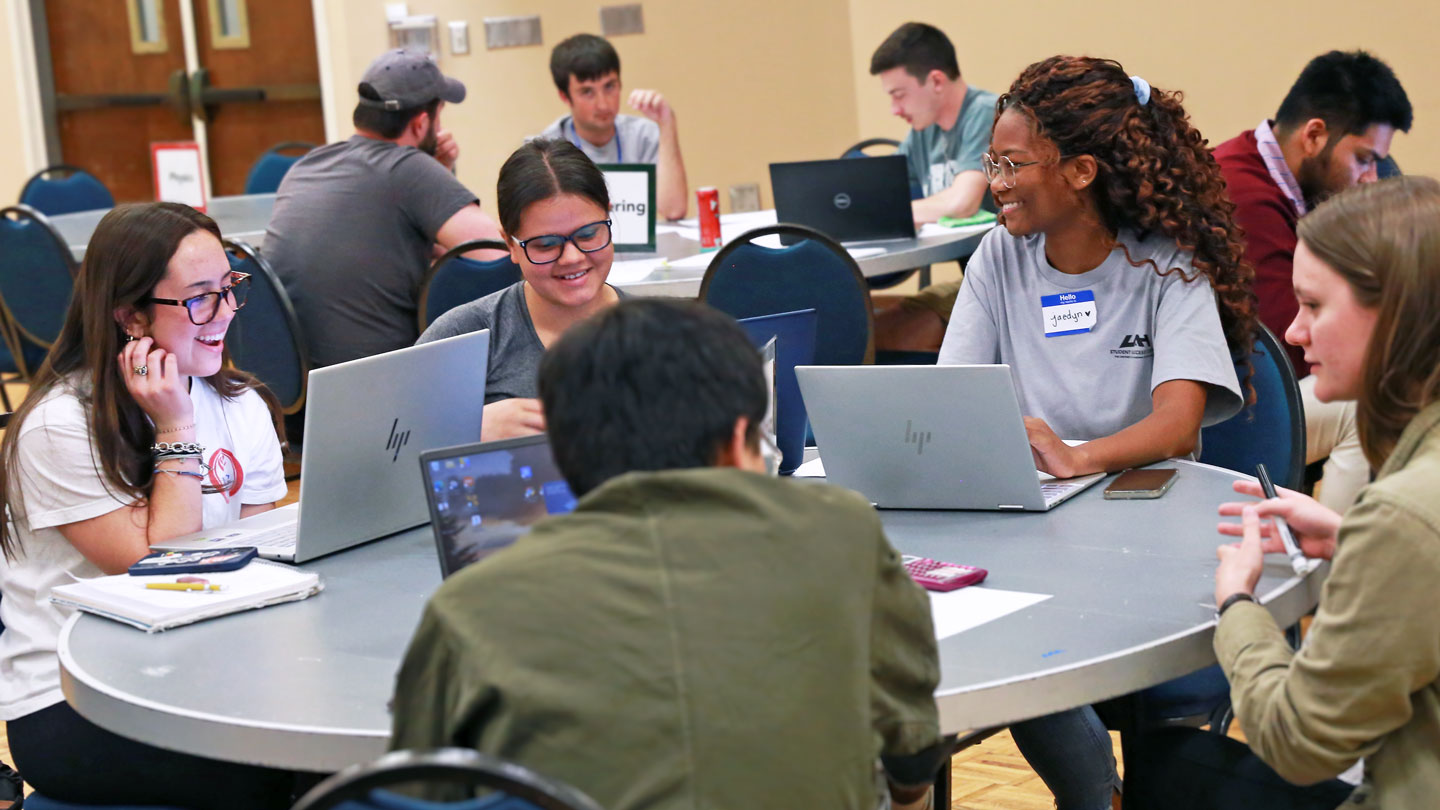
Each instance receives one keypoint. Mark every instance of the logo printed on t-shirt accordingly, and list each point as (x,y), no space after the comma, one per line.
(226,474)
(1134,346)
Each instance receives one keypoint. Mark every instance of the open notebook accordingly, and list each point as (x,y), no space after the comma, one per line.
(126,599)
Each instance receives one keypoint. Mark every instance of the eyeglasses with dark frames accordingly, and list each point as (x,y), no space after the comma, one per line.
(203,308)
(548,248)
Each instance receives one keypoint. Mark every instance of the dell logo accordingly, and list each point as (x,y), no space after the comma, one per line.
(396,440)
(917,438)
(842,201)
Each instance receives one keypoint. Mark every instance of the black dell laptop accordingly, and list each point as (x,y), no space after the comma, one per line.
(848,200)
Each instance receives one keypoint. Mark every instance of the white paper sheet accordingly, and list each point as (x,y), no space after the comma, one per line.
(699,261)
(632,270)
(968,608)
(810,469)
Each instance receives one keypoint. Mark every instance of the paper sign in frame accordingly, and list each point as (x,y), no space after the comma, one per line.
(648,169)
(156,147)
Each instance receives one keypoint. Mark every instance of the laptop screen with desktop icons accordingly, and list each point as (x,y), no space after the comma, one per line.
(483,497)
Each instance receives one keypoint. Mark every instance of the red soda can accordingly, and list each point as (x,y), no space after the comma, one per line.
(708,200)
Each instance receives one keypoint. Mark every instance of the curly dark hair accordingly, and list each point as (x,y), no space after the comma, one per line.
(1155,172)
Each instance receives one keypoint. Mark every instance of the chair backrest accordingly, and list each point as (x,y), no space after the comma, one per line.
(270,168)
(1272,430)
(265,337)
(794,334)
(867,148)
(64,189)
(463,769)
(746,280)
(454,280)
(37,278)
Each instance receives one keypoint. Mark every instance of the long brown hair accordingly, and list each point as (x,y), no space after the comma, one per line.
(127,257)
(1155,174)
(1384,240)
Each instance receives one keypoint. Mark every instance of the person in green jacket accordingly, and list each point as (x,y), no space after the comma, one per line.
(696,633)
(1365,686)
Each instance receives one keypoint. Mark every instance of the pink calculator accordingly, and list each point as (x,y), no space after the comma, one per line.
(935,575)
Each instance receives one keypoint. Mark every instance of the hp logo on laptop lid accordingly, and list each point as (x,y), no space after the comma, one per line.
(917,438)
(397,440)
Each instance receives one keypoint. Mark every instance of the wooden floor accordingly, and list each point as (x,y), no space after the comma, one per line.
(989,776)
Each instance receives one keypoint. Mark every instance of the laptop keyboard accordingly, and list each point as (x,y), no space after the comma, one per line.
(279,537)
(1054,491)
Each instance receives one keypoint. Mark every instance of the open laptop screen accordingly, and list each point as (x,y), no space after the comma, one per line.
(483,497)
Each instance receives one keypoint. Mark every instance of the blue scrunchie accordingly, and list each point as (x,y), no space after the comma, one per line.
(1142,90)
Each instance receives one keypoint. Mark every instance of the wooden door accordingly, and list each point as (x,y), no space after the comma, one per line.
(111,102)
(261,82)
(120,82)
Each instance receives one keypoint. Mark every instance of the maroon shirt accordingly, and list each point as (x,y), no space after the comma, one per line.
(1268,219)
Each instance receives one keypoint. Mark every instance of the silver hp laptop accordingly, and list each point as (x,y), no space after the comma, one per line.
(366,423)
(928,437)
(484,497)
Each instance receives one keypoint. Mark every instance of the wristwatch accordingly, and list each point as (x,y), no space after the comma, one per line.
(1238,596)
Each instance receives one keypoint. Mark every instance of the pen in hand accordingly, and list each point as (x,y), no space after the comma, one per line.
(1298,561)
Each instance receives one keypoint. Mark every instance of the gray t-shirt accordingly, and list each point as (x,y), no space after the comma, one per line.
(351,237)
(637,140)
(1144,329)
(935,156)
(515,347)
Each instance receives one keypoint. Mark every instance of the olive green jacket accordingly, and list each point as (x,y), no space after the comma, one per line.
(691,639)
(1366,683)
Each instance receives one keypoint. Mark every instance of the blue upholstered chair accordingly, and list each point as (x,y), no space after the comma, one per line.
(454,280)
(265,337)
(37,277)
(36,801)
(65,189)
(794,334)
(746,280)
(1272,430)
(270,168)
(513,787)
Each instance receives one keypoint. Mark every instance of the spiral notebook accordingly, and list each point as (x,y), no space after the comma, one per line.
(125,598)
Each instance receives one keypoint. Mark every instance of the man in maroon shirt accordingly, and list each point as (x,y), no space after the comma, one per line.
(1333,128)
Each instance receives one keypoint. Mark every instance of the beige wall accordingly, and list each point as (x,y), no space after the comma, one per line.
(1233,58)
(744,93)
(14,165)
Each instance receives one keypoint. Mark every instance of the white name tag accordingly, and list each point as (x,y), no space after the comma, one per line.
(1070,313)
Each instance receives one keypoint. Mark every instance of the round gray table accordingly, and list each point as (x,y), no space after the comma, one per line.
(241,217)
(306,685)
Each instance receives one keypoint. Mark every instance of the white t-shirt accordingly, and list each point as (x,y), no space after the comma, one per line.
(59,483)
(1088,349)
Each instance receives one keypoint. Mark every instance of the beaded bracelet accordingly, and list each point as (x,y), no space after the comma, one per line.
(181,447)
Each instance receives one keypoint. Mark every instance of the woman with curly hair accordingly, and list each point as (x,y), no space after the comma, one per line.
(1117,293)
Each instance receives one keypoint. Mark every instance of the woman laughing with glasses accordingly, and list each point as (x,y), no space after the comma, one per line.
(554,211)
(133,432)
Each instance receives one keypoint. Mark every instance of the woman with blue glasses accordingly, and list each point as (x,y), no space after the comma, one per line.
(555,216)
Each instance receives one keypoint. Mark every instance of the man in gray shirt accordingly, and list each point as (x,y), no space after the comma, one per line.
(356,222)
(586,71)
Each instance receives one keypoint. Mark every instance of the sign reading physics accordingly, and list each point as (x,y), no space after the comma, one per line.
(179,177)
(632,205)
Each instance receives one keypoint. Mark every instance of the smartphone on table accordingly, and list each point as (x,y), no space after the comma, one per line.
(1140,484)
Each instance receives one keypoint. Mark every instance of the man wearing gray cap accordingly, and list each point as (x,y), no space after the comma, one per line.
(356,222)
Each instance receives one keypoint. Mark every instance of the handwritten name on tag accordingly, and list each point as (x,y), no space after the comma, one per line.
(1070,313)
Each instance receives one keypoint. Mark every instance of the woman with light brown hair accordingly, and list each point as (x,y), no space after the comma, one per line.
(1366,683)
